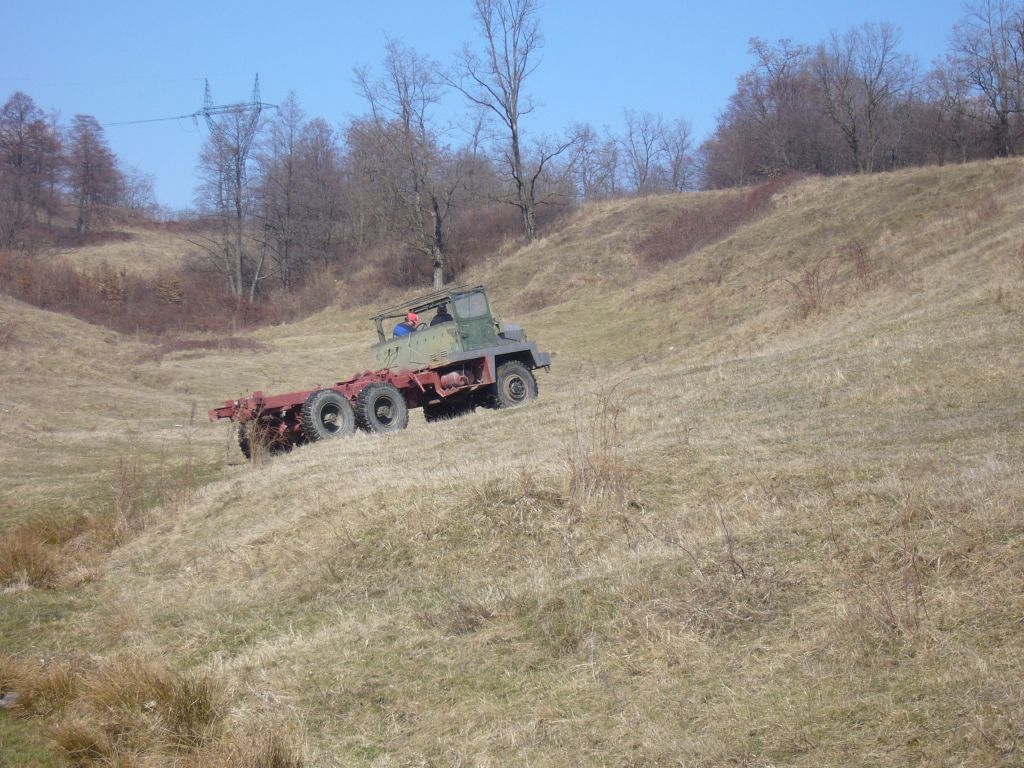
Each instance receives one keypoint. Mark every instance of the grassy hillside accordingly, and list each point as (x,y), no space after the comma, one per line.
(768,510)
(142,250)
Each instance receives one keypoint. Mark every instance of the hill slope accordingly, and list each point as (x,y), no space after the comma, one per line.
(767,510)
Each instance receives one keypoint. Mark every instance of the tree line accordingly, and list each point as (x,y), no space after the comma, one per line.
(286,196)
(412,197)
(855,103)
(47,169)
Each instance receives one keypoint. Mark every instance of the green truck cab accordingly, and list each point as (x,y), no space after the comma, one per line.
(473,333)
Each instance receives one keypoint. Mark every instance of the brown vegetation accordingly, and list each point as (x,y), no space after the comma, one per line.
(710,220)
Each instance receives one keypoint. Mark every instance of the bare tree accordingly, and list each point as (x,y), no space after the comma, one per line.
(30,165)
(225,194)
(643,148)
(511,38)
(678,155)
(321,189)
(422,176)
(775,121)
(988,52)
(279,209)
(775,95)
(92,175)
(867,85)
(137,193)
(594,164)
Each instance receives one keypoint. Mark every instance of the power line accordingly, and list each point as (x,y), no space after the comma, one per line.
(151,120)
(209,109)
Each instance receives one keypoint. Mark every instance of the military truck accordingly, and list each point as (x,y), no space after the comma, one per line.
(447,367)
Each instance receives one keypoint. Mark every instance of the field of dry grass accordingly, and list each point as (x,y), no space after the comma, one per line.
(144,250)
(768,510)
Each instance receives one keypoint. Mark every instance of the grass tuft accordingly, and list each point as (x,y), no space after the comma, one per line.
(270,745)
(27,559)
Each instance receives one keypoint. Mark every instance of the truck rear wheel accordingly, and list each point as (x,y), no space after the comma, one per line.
(262,436)
(514,385)
(381,408)
(327,414)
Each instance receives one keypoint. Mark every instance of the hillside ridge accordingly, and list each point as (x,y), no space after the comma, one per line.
(767,509)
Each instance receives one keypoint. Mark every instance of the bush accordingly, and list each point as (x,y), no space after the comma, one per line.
(710,221)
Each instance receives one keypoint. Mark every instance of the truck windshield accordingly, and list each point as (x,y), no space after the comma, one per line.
(471,305)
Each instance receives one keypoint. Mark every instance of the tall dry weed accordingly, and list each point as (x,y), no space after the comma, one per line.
(885,589)
(128,492)
(814,288)
(598,466)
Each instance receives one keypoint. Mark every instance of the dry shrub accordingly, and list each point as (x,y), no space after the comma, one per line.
(261,437)
(865,269)
(539,297)
(41,552)
(128,500)
(598,468)
(563,623)
(718,603)
(168,302)
(812,290)
(886,592)
(8,335)
(319,291)
(968,215)
(709,221)
(67,238)
(984,210)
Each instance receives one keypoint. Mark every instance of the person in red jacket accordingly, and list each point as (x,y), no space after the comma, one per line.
(407,326)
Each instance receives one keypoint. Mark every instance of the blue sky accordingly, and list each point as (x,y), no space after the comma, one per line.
(124,61)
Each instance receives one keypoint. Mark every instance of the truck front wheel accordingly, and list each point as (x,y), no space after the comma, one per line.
(514,385)
(381,408)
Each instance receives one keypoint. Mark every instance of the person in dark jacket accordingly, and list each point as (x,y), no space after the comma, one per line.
(442,316)
(407,326)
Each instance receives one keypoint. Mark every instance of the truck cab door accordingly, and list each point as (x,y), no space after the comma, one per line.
(473,316)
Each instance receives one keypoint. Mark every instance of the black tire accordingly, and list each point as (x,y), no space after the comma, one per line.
(514,385)
(243,441)
(443,411)
(262,434)
(327,414)
(381,408)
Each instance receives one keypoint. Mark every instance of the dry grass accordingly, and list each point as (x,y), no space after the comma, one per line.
(145,251)
(723,535)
